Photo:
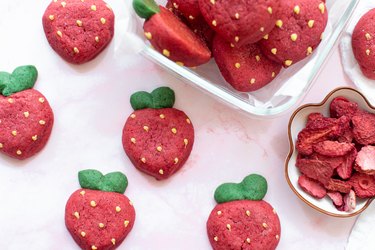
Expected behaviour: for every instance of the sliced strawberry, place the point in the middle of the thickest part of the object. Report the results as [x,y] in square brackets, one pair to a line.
[338,185]
[312,187]
[350,201]
[341,106]
[364,128]
[346,168]
[365,161]
[315,169]
[363,185]
[333,148]
[337,198]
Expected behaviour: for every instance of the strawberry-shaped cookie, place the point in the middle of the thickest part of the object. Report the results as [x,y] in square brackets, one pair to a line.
[157,138]
[99,216]
[26,118]
[78,30]
[242,221]
[170,36]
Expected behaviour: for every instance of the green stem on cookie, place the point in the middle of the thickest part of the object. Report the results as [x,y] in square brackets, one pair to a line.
[162,97]
[22,78]
[111,182]
[145,8]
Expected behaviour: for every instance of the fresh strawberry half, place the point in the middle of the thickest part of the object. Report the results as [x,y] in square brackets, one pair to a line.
[170,36]
[243,220]
[26,118]
[99,216]
[157,138]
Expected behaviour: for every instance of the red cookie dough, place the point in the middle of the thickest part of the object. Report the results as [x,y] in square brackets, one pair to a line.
[298,31]
[240,22]
[363,43]
[158,141]
[171,37]
[78,30]
[97,219]
[188,8]
[245,68]
[243,225]
[26,121]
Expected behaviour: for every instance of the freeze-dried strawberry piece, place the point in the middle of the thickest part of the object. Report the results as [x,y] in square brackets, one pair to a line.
[319,130]
[350,201]
[336,198]
[364,128]
[333,148]
[334,162]
[338,185]
[363,184]
[365,161]
[312,117]
[312,187]
[314,169]
[346,168]
[341,106]
[347,136]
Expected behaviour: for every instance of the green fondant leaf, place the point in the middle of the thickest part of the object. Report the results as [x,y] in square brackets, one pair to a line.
[145,8]
[111,182]
[22,78]
[252,187]
[162,97]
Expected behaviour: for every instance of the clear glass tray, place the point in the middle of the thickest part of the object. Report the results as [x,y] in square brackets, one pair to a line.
[284,92]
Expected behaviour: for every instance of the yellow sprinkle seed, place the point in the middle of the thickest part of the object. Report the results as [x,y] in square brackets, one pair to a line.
[294,37]
[264,225]
[368,36]
[132,116]
[237,65]
[63,4]
[273,74]
[159,148]
[10,100]
[309,51]
[126,223]
[51,17]
[146,128]
[186,142]
[219,212]
[266,37]
[19,152]
[188,121]
[269,9]
[161,171]
[261,29]
[118,209]
[143,160]
[94,247]
[212,1]
[113,240]
[26,114]
[76,50]
[274,51]
[76,214]
[1,145]
[180,64]
[277,237]
[368,52]
[232,45]
[322,8]
[162,116]
[248,213]
[236,38]
[257,58]
[34,138]
[310,23]
[191,17]
[237,16]
[102,20]
[83,234]
[82,193]
[79,23]
[101,225]
[296,9]
[216,238]
[41,100]
[97,39]
[175,5]
[214,23]
[252,80]
[175,160]
[148,35]
[248,240]
[93,203]
[93,7]
[133,140]
[229,227]
[288,62]
[41,122]
[14,132]
[174,130]
[279,23]
[166,52]
[59,33]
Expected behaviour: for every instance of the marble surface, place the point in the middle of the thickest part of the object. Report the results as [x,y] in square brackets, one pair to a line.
[91,103]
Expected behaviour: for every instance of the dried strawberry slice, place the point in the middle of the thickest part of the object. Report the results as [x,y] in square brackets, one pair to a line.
[333,148]
[365,161]
[363,184]
[315,169]
[336,198]
[338,185]
[312,187]
[346,168]
[341,106]
[364,128]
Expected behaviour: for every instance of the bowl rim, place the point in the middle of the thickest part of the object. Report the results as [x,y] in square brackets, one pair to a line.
[291,151]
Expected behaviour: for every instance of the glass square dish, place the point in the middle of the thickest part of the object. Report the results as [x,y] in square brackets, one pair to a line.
[289,87]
